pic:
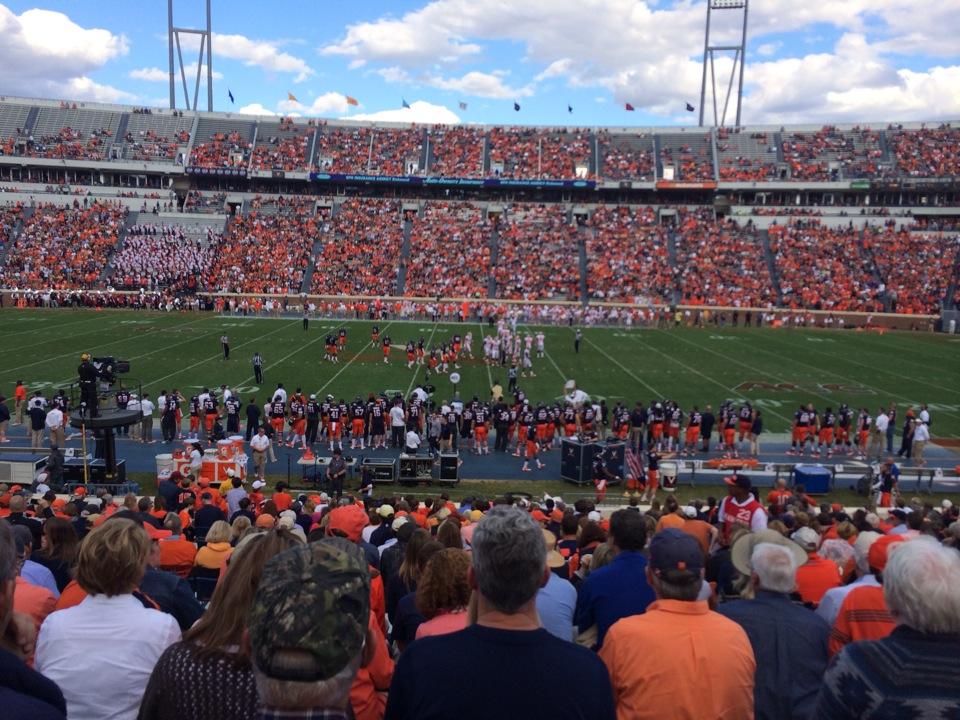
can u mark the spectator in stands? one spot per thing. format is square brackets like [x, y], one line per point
[24, 693]
[907, 670]
[443, 593]
[169, 591]
[679, 646]
[59, 550]
[112, 562]
[309, 629]
[789, 642]
[209, 672]
[817, 574]
[456, 151]
[557, 600]
[406, 618]
[548, 677]
[620, 589]
[216, 550]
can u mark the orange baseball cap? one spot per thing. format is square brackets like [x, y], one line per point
[266, 520]
[538, 516]
[880, 551]
[349, 520]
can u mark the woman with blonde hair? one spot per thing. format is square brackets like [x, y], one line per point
[214, 554]
[443, 593]
[101, 652]
[239, 526]
[209, 673]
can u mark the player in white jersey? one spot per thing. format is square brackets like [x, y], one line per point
[527, 365]
[467, 349]
[540, 339]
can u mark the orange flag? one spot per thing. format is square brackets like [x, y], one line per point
[352, 101]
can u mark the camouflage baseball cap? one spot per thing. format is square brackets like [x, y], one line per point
[316, 599]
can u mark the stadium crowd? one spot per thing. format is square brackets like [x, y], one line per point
[929, 152]
[221, 150]
[856, 153]
[721, 263]
[264, 253]
[824, 268]
[235, 601]
[625, 158]
[627, 256]
[537, 255]
[287, 152]
[449, 252]
[361, 247]
[63, 247]
[917, 285]
[456, 151]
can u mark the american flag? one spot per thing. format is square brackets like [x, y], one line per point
[634, 464]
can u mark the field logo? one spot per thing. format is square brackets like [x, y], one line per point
[757, 385]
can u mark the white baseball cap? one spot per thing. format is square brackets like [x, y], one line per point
[257, 484]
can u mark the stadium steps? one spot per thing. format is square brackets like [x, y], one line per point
[17, 229]
[107, 272]
[594, 155]
[771, 264]
[424, 152]
[121, 129]
[582, 250]
[672, 259]
[866, 254]
[494, 258]
[308, 275]
[31, 120]
[778, 139]
[714, 155]
[657, 165]
[884, 147]
[404, 257]
[486, 155]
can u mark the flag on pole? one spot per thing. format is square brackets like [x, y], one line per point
[463, 106]
[689, 107]
[634, 466]
[230, 95]
[569, 108]
[516, 106]
[630, 107]
[291, 97]
[352, 101]
[405, 103]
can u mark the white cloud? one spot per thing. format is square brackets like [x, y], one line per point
[46, 54]
[255, 109]
[648, 52]
[331, 103]
[419, 112]
[768, 49]
[155, 74]
[479, 84]
[255, 53]
[394, 74]
[557, 68]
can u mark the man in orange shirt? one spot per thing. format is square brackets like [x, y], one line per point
[176, 552]
[281, 498]
[864, 614]
[818, 574]
[679, 658]
[20, 401]
[779, 496]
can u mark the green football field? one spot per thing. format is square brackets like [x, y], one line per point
[775, 369]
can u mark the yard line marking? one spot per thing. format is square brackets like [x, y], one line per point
[483, 338]
[417, 369]
[547, 355]
[625, 369]
[728, 359]
[13, 348]
[51, 327]
[350, 362]
[214, 357]
[111, 344]
[843, 358]
[704, 376]
[280, 361]
[154, 352]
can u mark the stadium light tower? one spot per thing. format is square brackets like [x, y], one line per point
[710, 51]
[206, 43]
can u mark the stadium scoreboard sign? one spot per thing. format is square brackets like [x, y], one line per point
[415, 180]
[217, 172]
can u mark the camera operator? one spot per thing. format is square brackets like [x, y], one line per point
[88, 385]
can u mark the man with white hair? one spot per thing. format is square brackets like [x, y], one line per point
[832, 599]
[911, 672]
[789, 642]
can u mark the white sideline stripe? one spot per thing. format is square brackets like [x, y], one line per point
[483, 337]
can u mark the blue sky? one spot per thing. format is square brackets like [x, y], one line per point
[836, 60]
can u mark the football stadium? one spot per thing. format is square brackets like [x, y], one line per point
[560, 391]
